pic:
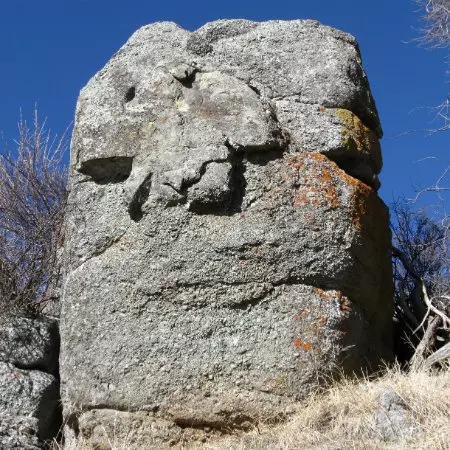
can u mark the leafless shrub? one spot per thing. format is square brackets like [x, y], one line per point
[33, 196]
[424, 242]
[443, 115]
[421, 280]
[435, 33]
[436, 27]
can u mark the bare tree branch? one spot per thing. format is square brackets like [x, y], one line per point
[425, 344]
[439, 355]
[445, 319]
[33, 195]
[435, 30]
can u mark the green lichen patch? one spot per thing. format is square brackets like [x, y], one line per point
[358, 138]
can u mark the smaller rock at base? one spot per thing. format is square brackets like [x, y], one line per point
[30, 393]
[393, 419]
[29, 343]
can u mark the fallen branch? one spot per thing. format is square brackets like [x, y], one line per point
[418, 359]
[439, 355]
[402, 257]
[430, 307]
[406, 311]
[445, 319]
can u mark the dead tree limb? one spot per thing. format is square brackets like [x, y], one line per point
[420, 283]
[402, 257]
[425, 344]
[439, 355]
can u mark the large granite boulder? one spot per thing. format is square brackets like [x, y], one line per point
[226, 246]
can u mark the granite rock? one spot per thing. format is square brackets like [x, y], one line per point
[29, 342]
[393, 418]
[225, 242]
[19, 433]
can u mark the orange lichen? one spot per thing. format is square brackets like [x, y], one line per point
[320, 183]
[362, 196]
[326, 295]
[295, 161]
[329, 190]
[300, 198]
[319, 189]
[306, 346]
[345, 304]
[301, 314]
[360, 203]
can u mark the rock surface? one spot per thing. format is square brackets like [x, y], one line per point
[393, 418]
[29, 343]
[225, 242]
[18, 433]
[29, 389]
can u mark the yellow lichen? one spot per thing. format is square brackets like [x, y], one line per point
[357, 137]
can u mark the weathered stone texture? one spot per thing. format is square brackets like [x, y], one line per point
[19, 433]
[29, 343]
[393, 419]
[29, 389]
[226, 245]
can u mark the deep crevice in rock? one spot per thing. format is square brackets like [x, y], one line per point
[139, 198]
[107, 170]
[229, 424]
[237, 183]
[356, 168]
[255, 89]
[50, 423]
[73, 423]
[189, 79]
[130, 94]
[262, 158]
[236, 186]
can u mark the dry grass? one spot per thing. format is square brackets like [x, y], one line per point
[342, 417]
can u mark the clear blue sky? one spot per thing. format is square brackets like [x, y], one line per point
[50, 48]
